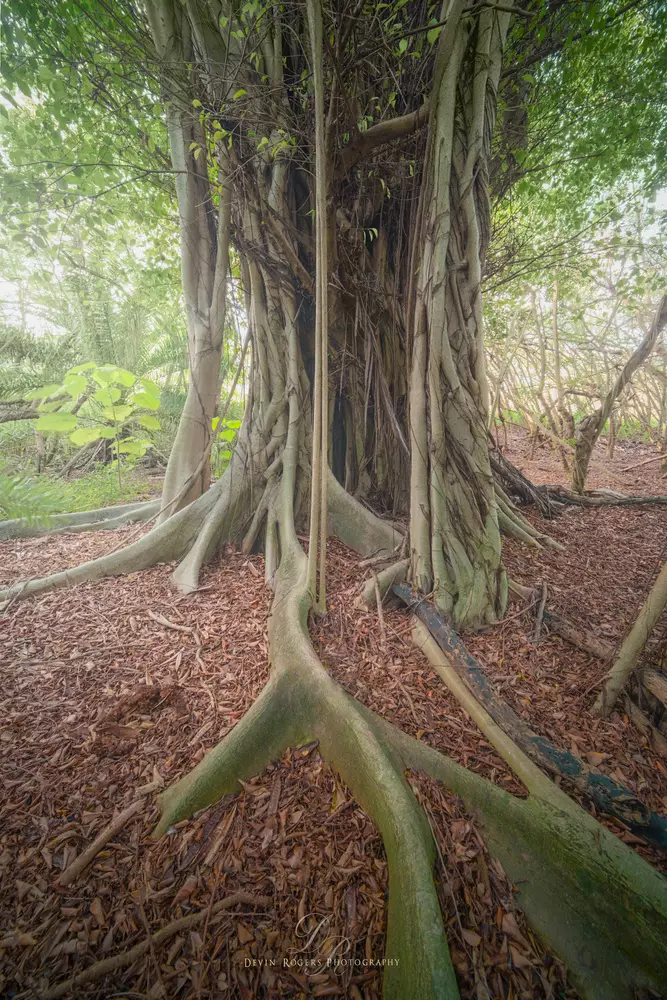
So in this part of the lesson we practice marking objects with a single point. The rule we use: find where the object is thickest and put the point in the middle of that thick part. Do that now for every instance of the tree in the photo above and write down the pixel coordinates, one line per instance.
(362, 225)
(588, 429)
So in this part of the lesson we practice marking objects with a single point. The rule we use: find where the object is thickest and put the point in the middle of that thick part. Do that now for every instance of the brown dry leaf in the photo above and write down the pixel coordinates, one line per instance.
(511, 928)
(244, 934)
(520, 960)
(186, 890)
(471, 937)
(595, 759)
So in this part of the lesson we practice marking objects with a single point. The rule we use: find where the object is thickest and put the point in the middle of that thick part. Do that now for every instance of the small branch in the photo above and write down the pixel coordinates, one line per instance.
(378, 598)
(540, 613)
(107, 834)
(126, 958)
(167, 624)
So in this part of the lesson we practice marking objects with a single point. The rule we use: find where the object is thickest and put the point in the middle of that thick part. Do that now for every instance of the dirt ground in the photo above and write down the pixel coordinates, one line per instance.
(109, 687)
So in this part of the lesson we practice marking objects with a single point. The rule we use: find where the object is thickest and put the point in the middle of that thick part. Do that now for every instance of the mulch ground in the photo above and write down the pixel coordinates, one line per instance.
(109, 687)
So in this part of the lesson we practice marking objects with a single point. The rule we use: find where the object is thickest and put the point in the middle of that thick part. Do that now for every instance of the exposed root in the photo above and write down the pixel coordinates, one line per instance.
(384, 580)
(102, 519)
(169, 541)
(600, 906)
(273, 723)
(358, 527)
(466, 678)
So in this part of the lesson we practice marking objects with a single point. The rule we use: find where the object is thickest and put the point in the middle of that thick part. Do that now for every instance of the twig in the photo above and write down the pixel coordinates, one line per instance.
(540, 613)
(167, 624)
(378, 598)
(126, 958)
(106, 835)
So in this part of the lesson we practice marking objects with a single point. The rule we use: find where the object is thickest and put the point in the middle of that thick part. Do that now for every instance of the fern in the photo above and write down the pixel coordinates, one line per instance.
(26, 498)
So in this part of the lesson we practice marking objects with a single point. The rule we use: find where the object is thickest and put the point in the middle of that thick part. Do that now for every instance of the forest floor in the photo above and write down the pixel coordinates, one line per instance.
(108, 687)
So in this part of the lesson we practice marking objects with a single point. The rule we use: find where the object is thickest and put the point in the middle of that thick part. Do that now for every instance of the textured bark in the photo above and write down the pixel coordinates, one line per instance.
(454, 526)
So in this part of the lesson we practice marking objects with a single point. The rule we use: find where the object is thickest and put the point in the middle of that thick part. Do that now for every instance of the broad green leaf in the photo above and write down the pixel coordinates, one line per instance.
(215, 422)
(43, 392)
(227, 435)
(152, 388)
(56, 422)
(132, 448)
(75, 385)
(107, 396)
(149, 422)
(226, 455)
(103, 376)
(233, 423)
(82, 368)
(116, 414)
(144, 399)
(239, 93)
(50, 407)
(123, 377)
(85, 435)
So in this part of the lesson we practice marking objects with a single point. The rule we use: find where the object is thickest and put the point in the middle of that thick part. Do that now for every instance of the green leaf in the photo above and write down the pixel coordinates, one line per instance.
(149, 386)
(56, 422)
(239, 93)
(215, 422)
(129, 447)
(107, 396)
(75, 385)
(85, 435)
(81, 368)
(44, 392)
(149, 422)
(144, 399)
(433, 34)
(227, 435)
(116, 414)
(233, 423)
(402, 45)
(123, 377)
(103, 376)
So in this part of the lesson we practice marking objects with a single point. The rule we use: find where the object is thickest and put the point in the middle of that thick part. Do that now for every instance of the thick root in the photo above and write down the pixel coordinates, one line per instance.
(356, 526)
(385, 579)
(269, 727)
(102, 519)
(301, 702)
(599, 905)
(167, 542)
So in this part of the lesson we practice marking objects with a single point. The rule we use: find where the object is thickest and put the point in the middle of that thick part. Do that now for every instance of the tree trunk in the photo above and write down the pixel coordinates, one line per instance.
(633, 644)
(454, 530)
(590, 428)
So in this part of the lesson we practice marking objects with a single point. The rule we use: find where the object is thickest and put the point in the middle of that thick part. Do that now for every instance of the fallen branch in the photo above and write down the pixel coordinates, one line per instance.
(639, 465)
(126, 958)
(633, 644)
(600, 498)
(107, 834)
(539, 618)
(167, 624)
(608, 795)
